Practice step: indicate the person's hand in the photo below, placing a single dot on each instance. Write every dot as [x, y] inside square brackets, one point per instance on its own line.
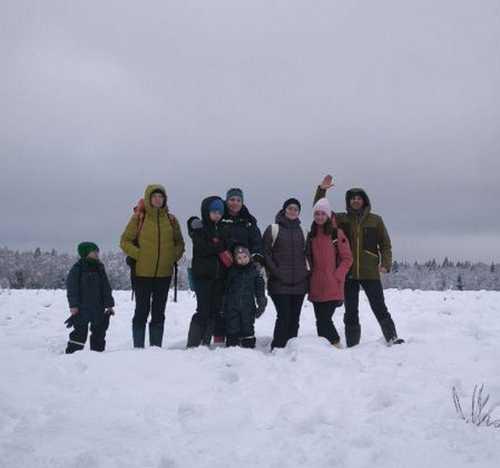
[261, 307]
[74, 310]
[327, 182]
[260, 310]
[196, 223]
[382, 269]
[110, 311]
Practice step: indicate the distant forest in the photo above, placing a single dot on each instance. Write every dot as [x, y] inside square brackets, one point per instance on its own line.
[47, 270]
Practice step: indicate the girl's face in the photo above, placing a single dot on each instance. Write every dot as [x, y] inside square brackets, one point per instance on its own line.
[242, 259]
[157, 200]
[320, 218]
[234, 204]
[215, 216]
[292, 212]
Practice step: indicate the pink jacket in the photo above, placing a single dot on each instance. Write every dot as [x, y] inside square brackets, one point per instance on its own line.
[327, 279]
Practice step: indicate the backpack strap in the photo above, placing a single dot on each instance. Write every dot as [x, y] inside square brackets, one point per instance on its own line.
[335, 242]
[275, 230]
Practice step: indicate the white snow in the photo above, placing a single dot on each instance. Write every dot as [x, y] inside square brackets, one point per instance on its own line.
[309, 405]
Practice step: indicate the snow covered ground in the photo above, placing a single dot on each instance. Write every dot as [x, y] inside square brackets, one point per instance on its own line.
[308, 405]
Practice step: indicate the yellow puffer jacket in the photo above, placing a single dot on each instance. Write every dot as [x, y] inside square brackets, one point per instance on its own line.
[160, 243]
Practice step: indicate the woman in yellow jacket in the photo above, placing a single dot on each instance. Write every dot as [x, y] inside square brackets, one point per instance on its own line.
[153, 240]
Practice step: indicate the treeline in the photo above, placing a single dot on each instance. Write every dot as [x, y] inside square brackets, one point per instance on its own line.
[47, 270]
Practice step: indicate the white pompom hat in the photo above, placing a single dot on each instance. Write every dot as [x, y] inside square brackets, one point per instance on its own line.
[323, 205]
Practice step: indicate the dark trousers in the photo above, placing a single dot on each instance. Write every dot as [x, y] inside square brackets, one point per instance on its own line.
[151, 296]
[288, 307]
[78, 337]
[324, 320]
[240, 322]
[375, 294]
[209, 296]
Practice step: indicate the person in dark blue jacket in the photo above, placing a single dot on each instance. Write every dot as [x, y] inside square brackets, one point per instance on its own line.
[90, 300]
[208, 270]
[245, 286]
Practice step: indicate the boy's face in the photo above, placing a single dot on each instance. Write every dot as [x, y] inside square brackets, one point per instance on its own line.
[357, 202]
[215, 216]
[242, 258]
[94, 255]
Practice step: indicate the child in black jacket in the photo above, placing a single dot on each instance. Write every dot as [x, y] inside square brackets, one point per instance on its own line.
[245, 285]
[208, 271]
[90, 300]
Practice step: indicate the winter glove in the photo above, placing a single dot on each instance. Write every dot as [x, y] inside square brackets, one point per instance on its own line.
[196, 223]
[226, 258]
[69, 322]
[259, 261]
[109, 311]
[261, 307]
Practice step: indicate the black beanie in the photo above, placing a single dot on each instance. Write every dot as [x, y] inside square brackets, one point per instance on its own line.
[292, 201]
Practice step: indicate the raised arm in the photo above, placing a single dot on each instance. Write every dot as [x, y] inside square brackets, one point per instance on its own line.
[322, 188]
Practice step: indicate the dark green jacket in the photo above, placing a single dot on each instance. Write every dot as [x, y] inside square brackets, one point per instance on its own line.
[369, 239]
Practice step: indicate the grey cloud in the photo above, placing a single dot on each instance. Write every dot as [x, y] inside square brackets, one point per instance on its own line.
[101, 98]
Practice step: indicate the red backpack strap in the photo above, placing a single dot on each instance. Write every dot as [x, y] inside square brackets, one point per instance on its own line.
[140, 212]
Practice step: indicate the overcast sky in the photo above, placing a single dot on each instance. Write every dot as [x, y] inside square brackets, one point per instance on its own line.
[98, 99]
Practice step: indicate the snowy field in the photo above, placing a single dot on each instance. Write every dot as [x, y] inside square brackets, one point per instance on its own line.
[309, 405]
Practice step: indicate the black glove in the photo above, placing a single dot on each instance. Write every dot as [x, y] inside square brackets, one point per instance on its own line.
[261, 307]
[259, 260]
[69, 322]
[196, 223]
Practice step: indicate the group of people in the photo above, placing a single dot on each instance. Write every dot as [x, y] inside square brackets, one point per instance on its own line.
[340, 254]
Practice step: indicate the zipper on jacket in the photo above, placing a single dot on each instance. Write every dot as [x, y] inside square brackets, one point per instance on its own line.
[217, 268]
[358, 253]
[158, 227]
[293, 255]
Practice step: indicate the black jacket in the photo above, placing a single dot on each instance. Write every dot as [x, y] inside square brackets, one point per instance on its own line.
[88, 288]
[208, 241]
[243, 230]
[244, 286]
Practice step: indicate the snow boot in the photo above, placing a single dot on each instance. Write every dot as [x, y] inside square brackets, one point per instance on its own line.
[195, 333]
[139, 336]
[155, 334]
[232, 340]
[395, 340]
[352, 335]
[207, 337]
[73, 346]
[388, 329]
[219, 340]
[248, 342]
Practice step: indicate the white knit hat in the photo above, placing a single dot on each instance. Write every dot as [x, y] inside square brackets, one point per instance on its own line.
[323, 205]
